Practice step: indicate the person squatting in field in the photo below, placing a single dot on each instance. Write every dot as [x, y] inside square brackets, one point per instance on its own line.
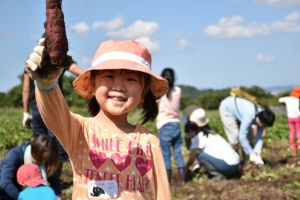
[212, 151]
[35, 187]
[42, 150]
[129, 164]
[293, 115]
[168, 125]
[243, 120]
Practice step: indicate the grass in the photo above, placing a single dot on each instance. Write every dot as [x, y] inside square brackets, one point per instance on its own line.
[279, 178]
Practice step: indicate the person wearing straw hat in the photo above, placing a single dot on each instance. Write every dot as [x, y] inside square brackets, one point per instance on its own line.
[212, 151]
[111, 157]
[35, 186]
[293, 114]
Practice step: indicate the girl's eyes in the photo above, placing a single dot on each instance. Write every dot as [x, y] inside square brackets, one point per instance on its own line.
[128, 76]
[108, 76]
[132, 79]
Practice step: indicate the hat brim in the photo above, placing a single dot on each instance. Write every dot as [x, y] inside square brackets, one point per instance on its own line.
[84, 83]
[35, 182]
[200, 124]
[189, 110]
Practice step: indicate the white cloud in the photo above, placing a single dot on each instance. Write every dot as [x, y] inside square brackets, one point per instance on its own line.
[138, 29]
[280, 2]
[293, 16]
[183, 44]
[234, 27]
[264, 58]
[109, 25]
[80, 28]
[289, 24]
[152, 46]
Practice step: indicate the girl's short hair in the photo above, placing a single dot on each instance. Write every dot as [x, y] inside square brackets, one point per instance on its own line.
[149, 107]
[44, 151]
[267, 117]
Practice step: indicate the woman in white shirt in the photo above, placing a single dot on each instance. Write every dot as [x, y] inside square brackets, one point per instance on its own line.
[210, 149]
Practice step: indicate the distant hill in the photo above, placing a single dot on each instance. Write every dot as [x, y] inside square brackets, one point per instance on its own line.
[194, 92]
[190, 91]
[279, 89]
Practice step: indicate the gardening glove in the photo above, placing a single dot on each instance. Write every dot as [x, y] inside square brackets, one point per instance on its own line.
[40, 69]
[252, 157]
[259, 160]
[27, 120]
[256, 159]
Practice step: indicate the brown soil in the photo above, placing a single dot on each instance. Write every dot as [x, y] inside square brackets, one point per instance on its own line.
[279, 178]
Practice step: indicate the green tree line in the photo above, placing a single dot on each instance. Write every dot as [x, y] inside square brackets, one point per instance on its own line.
[208, 98]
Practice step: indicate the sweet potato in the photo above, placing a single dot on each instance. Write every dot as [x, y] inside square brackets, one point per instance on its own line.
[56, 37]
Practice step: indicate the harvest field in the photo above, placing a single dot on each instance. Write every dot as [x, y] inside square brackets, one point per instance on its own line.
[279, 178]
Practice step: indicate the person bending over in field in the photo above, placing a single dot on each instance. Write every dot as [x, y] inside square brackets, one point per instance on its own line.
[243, 120]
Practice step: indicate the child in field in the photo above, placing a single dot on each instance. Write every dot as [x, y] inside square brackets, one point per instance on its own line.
[293, 115]
[42, 151]
[35, 186]
[110, 157]
[210, 149]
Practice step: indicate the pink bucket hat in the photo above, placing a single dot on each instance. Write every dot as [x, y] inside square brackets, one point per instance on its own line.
[126, 54]
[30, 175]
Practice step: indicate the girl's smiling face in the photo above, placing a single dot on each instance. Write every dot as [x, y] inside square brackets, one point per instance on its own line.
[119, 91]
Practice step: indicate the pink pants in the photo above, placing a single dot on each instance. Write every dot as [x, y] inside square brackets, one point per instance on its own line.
[294, 126]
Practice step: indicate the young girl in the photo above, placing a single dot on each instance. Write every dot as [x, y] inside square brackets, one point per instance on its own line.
[41, 151]
[111, 158]
[210, 149]
[293, 114]
[168, 125]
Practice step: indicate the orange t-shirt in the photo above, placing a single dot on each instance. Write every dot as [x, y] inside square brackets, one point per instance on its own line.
[106, 165]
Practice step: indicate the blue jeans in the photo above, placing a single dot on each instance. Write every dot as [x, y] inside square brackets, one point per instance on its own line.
[218, 165]
[39, 127]
[170, 136]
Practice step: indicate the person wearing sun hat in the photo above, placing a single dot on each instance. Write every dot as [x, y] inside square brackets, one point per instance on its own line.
[35, 186]
[211, 150]
[293, 114]
[111, 157]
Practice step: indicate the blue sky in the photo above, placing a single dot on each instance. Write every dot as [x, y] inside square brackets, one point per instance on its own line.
[210, 43]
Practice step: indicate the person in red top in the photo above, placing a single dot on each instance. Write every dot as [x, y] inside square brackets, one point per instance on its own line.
[111, 158]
